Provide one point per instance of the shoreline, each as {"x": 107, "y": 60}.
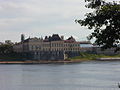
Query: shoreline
{"x": 56, "y": 61}
{"x": 41, "y": 62}
{"x": 108, "y": 59}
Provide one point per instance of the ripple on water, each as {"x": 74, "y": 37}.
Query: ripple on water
{"x": 82, "y": 76}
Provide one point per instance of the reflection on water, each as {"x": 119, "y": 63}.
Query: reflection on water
{"x": 82, "y": 76}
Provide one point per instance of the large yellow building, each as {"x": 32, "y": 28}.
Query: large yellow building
{"x": 52, "y": 47}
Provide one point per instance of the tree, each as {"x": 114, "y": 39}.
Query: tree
{"x": 104, "y": 21}
{"x": 6, "y": 49}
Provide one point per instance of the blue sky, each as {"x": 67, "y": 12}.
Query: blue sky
{"x": 36, "y": 18}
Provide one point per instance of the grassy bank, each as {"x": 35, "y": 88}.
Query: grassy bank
{"x": 86, "y": 56}
{"x": 11, "y": 58}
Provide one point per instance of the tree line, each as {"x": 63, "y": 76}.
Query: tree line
{"x": 6, "y": 49}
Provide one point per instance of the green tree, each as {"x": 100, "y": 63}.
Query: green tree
{"x": 6, "y": 49}
{"x": 104, "y": 21}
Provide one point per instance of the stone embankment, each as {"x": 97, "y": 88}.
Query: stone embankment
{"x": 41, "y": 62}
{"x": 108, "y": 59}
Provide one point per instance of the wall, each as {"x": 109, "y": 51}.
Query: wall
{"x": 48, "y": 55}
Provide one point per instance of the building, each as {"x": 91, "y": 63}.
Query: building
{"x": 86, "y": 46}
{"x": 50, "y": 48}
{"x": 109, "y": 51}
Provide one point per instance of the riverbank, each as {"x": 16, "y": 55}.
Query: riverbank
{"x": 109, "y": 59}
{"x": 41, "y": 62}
{"x": 57, "y": 61}
{"x": 83, "y": 57}
{"x": 86, "y": 56}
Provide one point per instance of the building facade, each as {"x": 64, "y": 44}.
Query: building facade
{"x": 50, "y": 48}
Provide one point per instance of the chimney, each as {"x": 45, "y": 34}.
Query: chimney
{"x": 22, "y": 37}
{"x": 62, "y": 37}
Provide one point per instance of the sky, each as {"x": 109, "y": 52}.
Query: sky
{"x": 36, "y": 18}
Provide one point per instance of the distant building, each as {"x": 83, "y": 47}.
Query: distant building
{"x": 50, "y": 48}
{"x": 86, "y": 46}
{"x": 110, "y": 51}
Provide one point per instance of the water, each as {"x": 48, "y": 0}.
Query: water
{"x": 93, "y": 75}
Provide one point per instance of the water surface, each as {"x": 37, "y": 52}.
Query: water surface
{"x": 93, "y": 75}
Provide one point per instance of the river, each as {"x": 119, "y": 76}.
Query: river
{"x": 93, "y": 75}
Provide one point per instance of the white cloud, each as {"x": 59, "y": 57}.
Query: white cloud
{"x": 41, "y": 16}
{"x": 14, "y": 20}
{"x": 8, "y": 23}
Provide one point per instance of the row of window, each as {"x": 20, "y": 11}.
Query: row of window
{"x": 72, "y": 45}
{"x": 56, "y": 45}
{"x": 53, "y": 53}
{"x": 59, "y": 49}
{"x": 35, "y": 47}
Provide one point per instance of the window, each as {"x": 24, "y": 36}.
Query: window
{"x": 31, "y": 47}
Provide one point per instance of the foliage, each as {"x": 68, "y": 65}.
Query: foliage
{"x": 104, "y": 21}
{"x": 6, "y": 49}
{"x": 7, "y": 53}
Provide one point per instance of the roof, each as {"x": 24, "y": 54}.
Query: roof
{"x": 85, "y": 42}
{"x": 71, "y": 39}
{"x": 27, "y": 40}
{"x": 55, "y": 37}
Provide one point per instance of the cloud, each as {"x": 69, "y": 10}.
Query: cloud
{"x": 62, "y": 8}
{"x": 8, "y": 24}
{"x": 40, "y": 17}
